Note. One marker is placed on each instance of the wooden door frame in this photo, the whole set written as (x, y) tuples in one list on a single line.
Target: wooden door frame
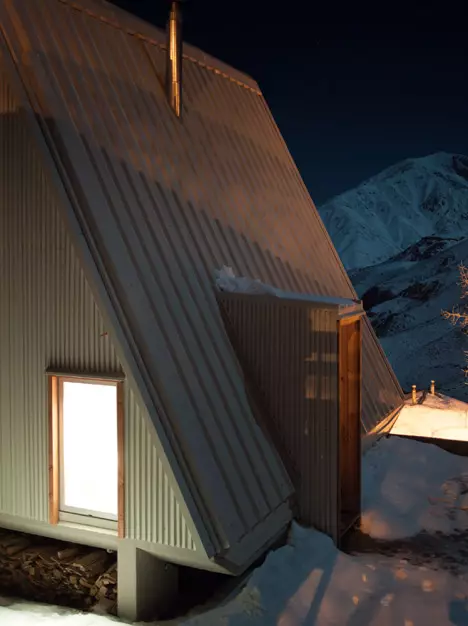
[(341, 324)]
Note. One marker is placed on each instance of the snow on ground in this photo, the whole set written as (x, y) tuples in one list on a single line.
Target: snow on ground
[(411, 487), (408, 487), (28, 614), (438, 416), (311, 583)]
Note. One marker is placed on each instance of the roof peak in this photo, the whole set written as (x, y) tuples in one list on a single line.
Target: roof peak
[(121, 19)]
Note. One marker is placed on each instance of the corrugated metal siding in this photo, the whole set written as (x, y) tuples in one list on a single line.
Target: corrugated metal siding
[(289, 351), (152, 511), (166, 202), (47, 313), (48, 318)]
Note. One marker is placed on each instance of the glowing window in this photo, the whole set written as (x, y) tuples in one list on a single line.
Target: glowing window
[(88, 448)]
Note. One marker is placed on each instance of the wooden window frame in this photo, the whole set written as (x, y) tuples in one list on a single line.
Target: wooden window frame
[(55, 388)]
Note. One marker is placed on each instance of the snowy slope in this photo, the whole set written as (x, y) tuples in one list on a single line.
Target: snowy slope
[(397, 208)]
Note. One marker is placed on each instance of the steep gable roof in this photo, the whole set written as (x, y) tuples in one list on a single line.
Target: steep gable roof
[(156, 204)]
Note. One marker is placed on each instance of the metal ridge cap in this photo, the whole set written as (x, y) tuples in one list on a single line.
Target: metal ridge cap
[(132, 25)]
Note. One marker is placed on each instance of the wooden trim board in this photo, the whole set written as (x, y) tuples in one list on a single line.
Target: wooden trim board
[(349, 319), (54, 462), (121, 460), (350, 408)]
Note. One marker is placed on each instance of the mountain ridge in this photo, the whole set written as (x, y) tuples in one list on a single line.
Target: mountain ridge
[(431, 194), (403, 262)]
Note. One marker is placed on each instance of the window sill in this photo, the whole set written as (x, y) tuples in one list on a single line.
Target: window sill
[(90, 529), (90, 524)]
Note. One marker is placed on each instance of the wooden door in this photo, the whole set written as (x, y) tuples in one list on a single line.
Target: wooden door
[(350, 420)]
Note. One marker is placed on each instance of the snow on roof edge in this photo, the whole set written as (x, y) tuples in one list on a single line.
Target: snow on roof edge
[(228, 282)]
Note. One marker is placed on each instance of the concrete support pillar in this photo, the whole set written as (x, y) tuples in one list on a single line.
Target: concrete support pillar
[(146, 586)]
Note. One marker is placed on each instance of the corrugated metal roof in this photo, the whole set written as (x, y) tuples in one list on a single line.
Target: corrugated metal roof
[(161, 202), (132, 25)]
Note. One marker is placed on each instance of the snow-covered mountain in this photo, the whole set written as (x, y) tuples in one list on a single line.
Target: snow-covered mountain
[(412, 200), (402, 236), (404, 297)]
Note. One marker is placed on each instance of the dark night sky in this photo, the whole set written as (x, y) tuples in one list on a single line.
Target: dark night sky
[(354, 87)]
